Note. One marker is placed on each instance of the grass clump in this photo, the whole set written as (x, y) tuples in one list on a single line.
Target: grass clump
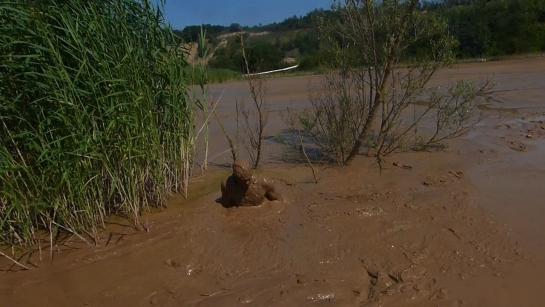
[(200, 73), (220, 75), (94, 115)]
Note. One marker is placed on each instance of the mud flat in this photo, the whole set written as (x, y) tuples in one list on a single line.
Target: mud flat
[(462, 227)]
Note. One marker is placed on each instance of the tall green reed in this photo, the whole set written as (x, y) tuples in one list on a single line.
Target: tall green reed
[(95, 117)]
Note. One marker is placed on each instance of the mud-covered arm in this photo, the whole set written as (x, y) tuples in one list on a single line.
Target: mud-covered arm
[(225, 196), (270, 190)]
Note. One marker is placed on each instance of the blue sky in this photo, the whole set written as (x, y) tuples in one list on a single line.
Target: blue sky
[(181, 13)]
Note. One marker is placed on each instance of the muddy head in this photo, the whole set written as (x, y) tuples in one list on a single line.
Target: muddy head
[(242, 171)]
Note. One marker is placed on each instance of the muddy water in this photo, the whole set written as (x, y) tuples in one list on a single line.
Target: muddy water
[(454, 228)]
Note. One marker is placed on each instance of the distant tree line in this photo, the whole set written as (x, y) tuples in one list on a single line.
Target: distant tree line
[(191, 33), (261, 55), (269, 52), (483, 28), (495, 27), (294, 22)]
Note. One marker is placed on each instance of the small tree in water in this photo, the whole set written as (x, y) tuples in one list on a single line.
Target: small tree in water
[(384, 55)]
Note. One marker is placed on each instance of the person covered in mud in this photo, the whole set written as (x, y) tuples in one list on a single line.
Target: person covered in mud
[(242, 188)]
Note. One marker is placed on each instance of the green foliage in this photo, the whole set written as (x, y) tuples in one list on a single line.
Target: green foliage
[(482, 28), (234, 27), (202, 44), (94, 114), (370, 85), (307, 42), (192, 33), (198, 75), (497, 27), (229, 57), (294, 23), (262, 55)]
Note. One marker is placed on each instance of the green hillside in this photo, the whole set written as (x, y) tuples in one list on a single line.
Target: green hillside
[(483, 29)]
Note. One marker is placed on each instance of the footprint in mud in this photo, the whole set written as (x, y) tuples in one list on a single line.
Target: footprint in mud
[(457, 174), (160, 298), (381, 283), (433, 180), (517, 146), (173, 263), (536, 130), (487, 151), (403, 166), (398, 286), (430, 181)]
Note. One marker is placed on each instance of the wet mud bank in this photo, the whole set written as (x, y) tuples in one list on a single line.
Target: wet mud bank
[(461, 227)]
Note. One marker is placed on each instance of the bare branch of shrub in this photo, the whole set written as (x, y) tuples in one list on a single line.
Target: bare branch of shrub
[(232, 143), (309, 162), (254, 118), (385, 56)]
